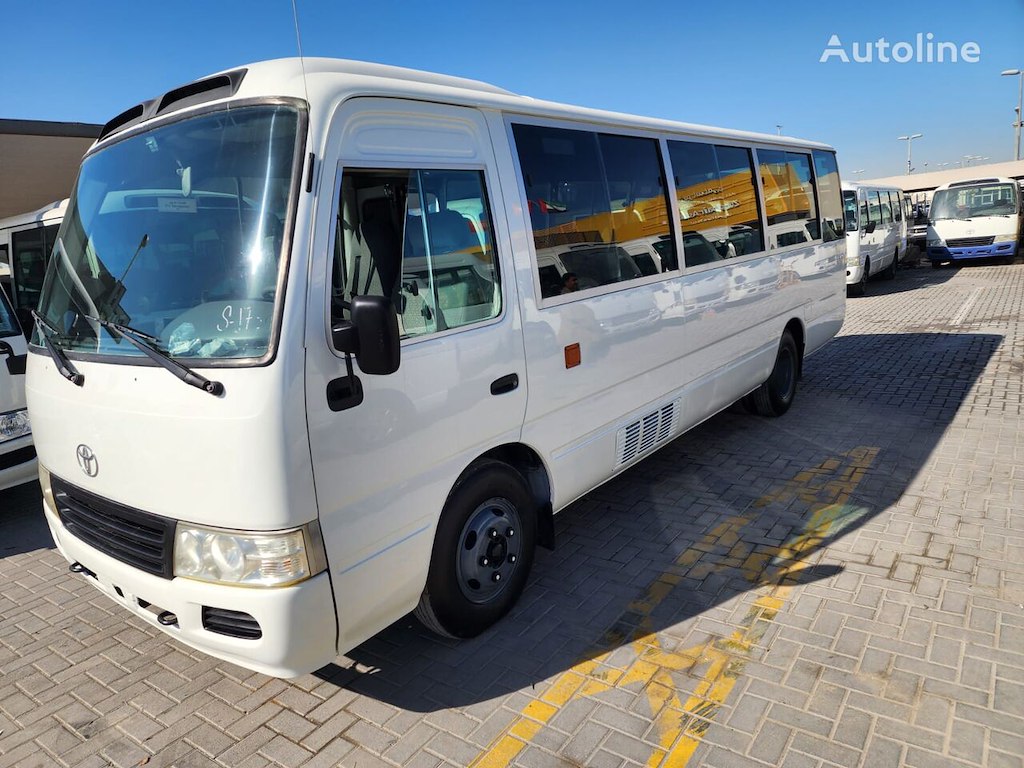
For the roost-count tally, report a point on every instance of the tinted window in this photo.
(597, 207)
(826, 174)
(423, 239)
(8, 324)
(30, 251)
(883, 198)
(789, 197)
(717, 201)
(896, 205)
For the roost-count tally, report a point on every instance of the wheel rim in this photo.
(490, 549)
(784, 375)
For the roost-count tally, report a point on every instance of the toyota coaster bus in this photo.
(975, 219)
(308, 356)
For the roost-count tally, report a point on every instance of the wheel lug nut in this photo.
(510, 533)
(484, 561)
(492, 533)
(496, 576)
(512, 558)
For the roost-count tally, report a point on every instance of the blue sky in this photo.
(739, 64)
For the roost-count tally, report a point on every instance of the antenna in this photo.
(298, 41)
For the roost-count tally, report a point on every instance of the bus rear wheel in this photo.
(890, 273)
(775, 396)
(483, 551)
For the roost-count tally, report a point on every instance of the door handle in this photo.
(504, 384)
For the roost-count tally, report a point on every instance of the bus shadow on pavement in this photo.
(694, 552)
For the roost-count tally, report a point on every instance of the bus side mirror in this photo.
(869, 227)
(371, 335)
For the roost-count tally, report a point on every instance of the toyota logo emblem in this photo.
(87, 460)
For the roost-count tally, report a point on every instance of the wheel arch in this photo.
(796, 330)
(528, 463)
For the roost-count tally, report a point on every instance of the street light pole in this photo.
(909, 139)
(1020, 97)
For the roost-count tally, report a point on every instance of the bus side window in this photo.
(830, 196)
(402, 234)
(789, 196)
(598, 207)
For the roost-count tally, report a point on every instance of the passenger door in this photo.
(415, 215)
(871, 242)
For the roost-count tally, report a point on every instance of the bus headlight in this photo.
(14, 424)
(244, 559)
(936, 242)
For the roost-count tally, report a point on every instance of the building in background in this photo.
(39, 161)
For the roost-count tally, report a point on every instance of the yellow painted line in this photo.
(681, 725)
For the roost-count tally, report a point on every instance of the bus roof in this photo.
(51, 213)
(979, 180)
(327, 82)
(853, 186)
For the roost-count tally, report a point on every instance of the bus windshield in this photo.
(178, 233)
(850, 207)
(977, 200)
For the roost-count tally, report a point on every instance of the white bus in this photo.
(975, 219)
(876, 233)
(17, 455)
(26, 240)
(389, 399)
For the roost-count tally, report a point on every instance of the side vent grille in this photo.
(645, 434)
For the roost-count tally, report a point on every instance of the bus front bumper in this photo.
(297, 625)
(1003, 250)
(17, 462)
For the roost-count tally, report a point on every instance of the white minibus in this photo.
(26, 240)
(876, 233)
(309, 356)
(975, 219)
(17, 455)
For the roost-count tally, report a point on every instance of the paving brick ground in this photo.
(840, 587)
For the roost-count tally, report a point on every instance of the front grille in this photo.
(967, 242)
(138, 538)
(231, 623)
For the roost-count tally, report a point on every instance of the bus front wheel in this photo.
(483, 550)
(774, 397)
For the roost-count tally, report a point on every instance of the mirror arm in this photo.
(346, 338)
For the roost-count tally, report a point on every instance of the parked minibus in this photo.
(876, 233)
(307, 358)
(26, 241)
(975, 219)
(17, 455)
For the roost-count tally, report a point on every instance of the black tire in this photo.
(775, 396)
(488, 526)
(890, 272)
(936, 265)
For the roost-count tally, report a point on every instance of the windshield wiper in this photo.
(148, 345)
(64, 366)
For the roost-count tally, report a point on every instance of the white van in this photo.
(17, 455)
(303, 361)
(876, 233)
(975, 219)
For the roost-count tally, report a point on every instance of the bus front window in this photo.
(850, 206)
(178, 233)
